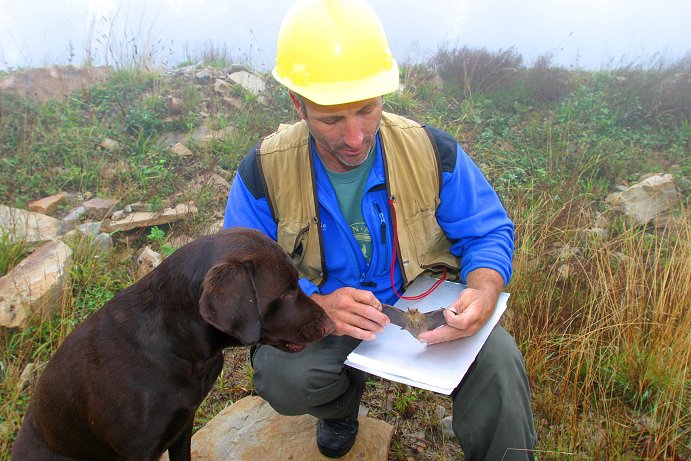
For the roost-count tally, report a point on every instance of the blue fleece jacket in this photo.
(470, 213)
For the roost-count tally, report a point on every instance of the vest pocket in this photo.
(427, 236)
(300, 240)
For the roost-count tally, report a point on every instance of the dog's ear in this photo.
(229, 301)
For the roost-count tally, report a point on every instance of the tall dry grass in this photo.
(606, 322)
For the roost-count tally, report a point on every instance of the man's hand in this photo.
(356, 313)
(474, 306)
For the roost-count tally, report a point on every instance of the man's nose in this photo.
(353, 134)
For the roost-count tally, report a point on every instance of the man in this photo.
(365, 201)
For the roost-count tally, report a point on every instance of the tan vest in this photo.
(413, 175)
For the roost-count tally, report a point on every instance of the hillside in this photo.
(600, 300)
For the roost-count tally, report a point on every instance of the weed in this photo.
(11, 252)
(158, 236)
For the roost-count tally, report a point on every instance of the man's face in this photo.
(344, 133)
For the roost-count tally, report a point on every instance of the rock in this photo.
(236, 103)
(34, 285)
(26, 378)
(146, 219)
(182, 150)
(147, 260)
(218, 135)
(47, 205)
(26, 225)
(169, 139)
(223, 88)
(200, 132)
(203, 76)
(54, 82)
(447, 428)
(251, 430)
(601, 221)
(164, 203)
(213, 227)
(103, 242)
(89, 229)
(251, 82)
(70, 221)
(99, 208)
(175, 105)
(118, 214)
(647, 200)
(213, 181)
(185, 70)
(109, 144)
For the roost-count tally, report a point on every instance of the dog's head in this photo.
(251, 293)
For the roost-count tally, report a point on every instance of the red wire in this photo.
(393, 261)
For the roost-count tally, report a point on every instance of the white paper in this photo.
(396, 355)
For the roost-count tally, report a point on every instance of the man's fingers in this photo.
(441, 335)
(450, 314)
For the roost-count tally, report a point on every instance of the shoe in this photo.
(335, 437)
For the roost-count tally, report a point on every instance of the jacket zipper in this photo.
(382, 222)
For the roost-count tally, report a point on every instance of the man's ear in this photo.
(298, 105)
(229, 301)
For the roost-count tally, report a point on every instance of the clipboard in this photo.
(397, 356)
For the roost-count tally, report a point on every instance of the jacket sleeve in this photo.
(248, 207)
(474, 219)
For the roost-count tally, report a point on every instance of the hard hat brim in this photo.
(332, 93)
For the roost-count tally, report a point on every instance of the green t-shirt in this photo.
(350, 188)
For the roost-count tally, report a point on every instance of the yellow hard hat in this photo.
(334, 52)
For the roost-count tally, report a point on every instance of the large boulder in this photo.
(34, 286)
(647, 200)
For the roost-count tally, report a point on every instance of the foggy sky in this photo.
(589, 34)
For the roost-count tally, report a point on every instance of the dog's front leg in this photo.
(180, 449)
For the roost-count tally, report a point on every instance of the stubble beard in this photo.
(348, 161)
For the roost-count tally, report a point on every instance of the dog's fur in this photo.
(125, 384)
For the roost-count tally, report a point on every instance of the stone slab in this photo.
(25, 225)
(251, 430)
(47, 205)
(145, 219)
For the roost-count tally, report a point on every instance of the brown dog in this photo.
(125, 384)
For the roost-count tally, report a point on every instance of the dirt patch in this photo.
(52, 83)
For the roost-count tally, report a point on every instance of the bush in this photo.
(545, 83)
(477, 70)
(655, 94)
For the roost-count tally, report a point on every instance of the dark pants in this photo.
(491, 407)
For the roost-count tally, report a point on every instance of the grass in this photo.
(602, 319)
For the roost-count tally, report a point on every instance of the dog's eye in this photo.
(286, 298)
